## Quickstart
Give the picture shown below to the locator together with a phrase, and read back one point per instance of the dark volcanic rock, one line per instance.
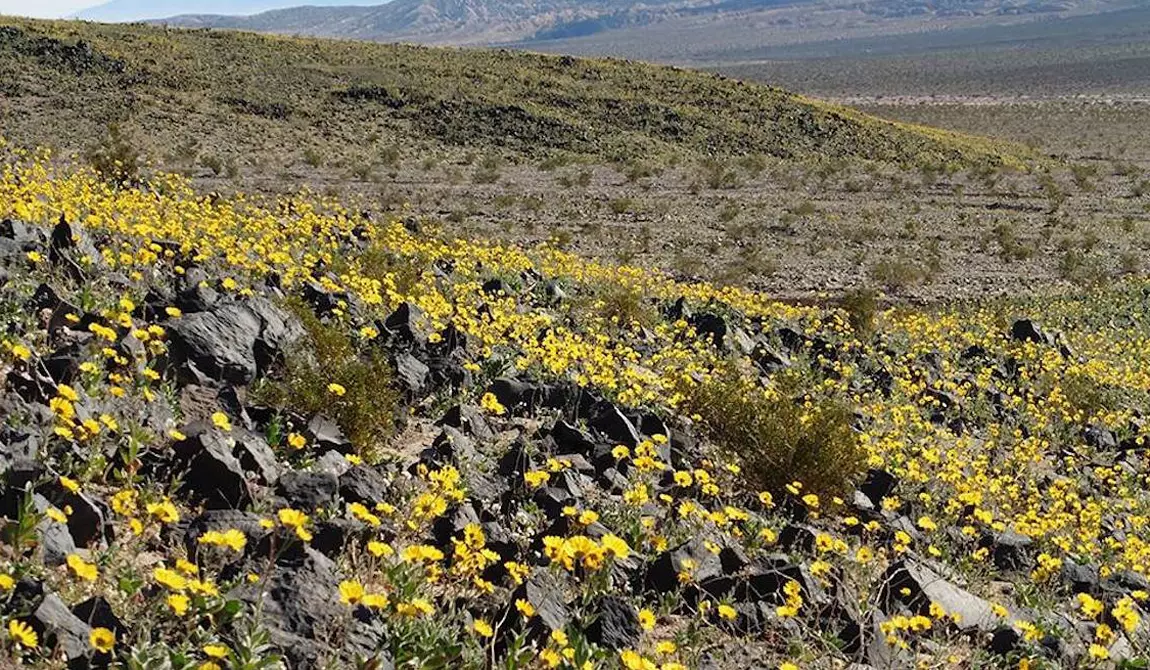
(362, 484)
(613, 424)
(213, 475)
(405, 324)
(54, 537)
(308, 491)
(615, 625)
(59, 629)
(247, 523)
(255, 455)
(1025, 330)
(411, 373)
(97, 612)
(663, 572)
(545, 593)
(326, 434)
(297, 606)
(878, 485)
(230, 342)
(469, 420)
(1010, 550)
(1100, 438)
(710, 326)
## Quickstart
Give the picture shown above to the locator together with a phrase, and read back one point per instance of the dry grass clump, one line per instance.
(778, 437)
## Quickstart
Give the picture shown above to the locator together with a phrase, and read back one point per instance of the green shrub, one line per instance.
(621, 205)
(778, 438)
(623, 302)
(861, 306)
(897, 273)
(115, 157)
(365, 411)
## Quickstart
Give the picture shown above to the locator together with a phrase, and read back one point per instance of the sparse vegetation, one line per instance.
(768, 434)
(365, 408)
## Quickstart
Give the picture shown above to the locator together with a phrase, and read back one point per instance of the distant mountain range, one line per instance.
(674, 29)
(139, 10)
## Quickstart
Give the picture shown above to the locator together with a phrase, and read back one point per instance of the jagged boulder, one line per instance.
(234, 342)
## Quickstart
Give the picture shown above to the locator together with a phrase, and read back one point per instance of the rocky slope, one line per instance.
(243, 434)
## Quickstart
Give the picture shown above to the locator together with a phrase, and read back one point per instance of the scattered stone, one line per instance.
(326, 434)
(925, 586)
(212, 475)
(54, 537)
(469, 420)
(1025, 330)
(878, 485)
(615, 624)
(1100, 438)
(362, 484)
(256, 456)
(545, 594)
(222, 343)
(307, 491)
(405, 324)
(1010, 550)
(663, 572)
(613, 424)
(411, 373)
(60, 629)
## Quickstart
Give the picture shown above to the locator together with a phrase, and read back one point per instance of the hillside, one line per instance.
(266, 98)
(275, 434)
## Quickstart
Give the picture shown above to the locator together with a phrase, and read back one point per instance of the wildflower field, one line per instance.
(254, 433)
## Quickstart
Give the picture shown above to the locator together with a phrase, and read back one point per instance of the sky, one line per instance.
(44, 9)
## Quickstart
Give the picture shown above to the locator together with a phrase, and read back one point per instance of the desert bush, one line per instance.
(580, 178)
(861, 306)
(326, 356)
(115, 157)
(636, 170)
(1054, 193)
(488, 171)
(621, 205)
(531, 203)
(1010, 247)
(390, 155)
(753, 165)
(380, 263)
(804, 208)
(1130, 262)
(729, 211)
(777, 435)
(555, 162)
(718, 175)
(504, 200)
(362, 171)
(619, 302)
(213, 163)
(1082, 267)
(1083, 177)
(313, 157)
(897, 273)
(750, 262)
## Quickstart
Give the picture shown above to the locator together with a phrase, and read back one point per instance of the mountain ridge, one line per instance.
(488, 22)
(139, 10)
